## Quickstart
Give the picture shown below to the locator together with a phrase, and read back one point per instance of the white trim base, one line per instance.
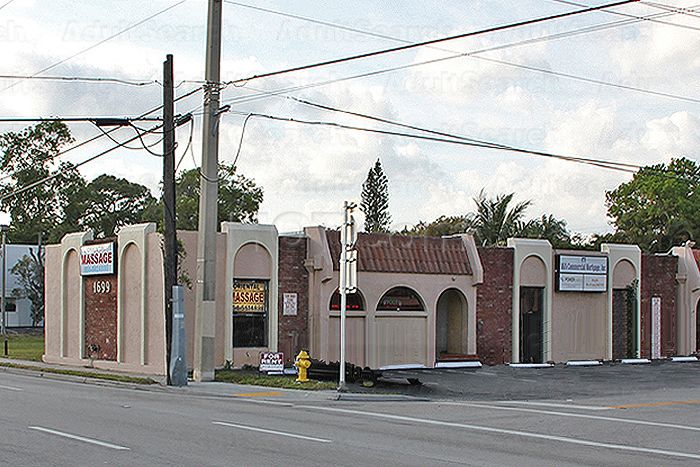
(635, 361)
(584, 363)
(531, 365)
(684, 359)
(403, 366)
(471, 364)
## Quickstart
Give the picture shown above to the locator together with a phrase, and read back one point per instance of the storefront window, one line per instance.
(354, 302)
(250, 313)
(400, 299)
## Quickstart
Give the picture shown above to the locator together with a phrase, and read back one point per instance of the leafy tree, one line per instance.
(550, 228)
(27, 157)
(659, 207)
(443, 225)
(495, 220)
(239, 198)
(111, 202)
(29, 271)
(375, 200)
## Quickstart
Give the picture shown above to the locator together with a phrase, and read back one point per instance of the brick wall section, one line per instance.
(293, 278)
(494, 306)
(659, 280)
(101, 317)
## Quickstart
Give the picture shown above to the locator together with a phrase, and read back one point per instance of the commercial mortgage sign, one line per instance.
(582, 273)
(97, 259)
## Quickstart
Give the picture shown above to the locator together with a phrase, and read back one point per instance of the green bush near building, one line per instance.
(258, 379)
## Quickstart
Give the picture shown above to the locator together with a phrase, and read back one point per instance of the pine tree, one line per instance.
(375, 200)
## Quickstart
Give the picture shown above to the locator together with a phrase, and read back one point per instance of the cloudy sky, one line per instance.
(308, 171)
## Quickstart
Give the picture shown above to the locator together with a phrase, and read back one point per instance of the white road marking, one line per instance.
(576, 415)
(553, 404)
(525, 434)
(10, 388)
(273, 432)
(80, 438)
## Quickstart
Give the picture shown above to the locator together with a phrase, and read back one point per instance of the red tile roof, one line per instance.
(405, 254)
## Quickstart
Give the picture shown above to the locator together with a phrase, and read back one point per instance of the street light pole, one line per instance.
(4, 284)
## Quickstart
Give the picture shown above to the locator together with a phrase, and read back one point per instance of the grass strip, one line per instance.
(258, 379)
(26, 346)
(82, 374)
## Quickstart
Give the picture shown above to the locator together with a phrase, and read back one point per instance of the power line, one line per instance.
(474, 54)
(482, 143)
(560, 35)
(431, 42)
(612, 165)
(5, 4)
(78, 119)
(83, 79)
(97, 44)
(64, 171)
(106, 133)
(683, 11)
(618, 13)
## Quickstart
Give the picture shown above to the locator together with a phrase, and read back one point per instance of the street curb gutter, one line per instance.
(42, 373)
(355, 397)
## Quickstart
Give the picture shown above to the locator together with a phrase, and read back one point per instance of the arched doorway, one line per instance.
(451, 325)
(533, 280)
(624, 331)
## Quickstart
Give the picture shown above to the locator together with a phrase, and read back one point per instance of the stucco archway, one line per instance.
(451, 325)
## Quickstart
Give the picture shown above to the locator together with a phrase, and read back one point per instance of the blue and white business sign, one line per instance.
(97, 259)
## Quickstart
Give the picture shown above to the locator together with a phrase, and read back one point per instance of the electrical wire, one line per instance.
(75, 119)
(97, 44)
(606, 164)
(138, 148)
(561, 35)
(64, 171)
(188, 147)
(6, 4)
(240, 142)
(83, 79)
(619, 13)
(683, 11)
(100, 135)
(375, 53)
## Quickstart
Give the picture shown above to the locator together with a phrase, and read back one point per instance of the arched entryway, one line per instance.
(625, 319)
(451, 325)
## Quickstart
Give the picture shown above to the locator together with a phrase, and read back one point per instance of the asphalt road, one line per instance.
(55, 422)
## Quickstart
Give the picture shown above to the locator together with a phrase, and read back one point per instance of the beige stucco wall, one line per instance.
(139, 304)
(379, 338)
(532, 258)
(578, 326)
(687, 298)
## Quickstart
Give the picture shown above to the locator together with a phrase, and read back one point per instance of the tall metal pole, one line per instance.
(170, 240)
(343, 293)
(205, 311)
(4, 284)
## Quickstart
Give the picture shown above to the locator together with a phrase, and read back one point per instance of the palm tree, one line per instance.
(494, 222)
(550, 228)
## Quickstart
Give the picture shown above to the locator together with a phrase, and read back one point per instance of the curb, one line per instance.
(356, 397)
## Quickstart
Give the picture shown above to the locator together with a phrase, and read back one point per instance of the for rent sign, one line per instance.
(97, 259)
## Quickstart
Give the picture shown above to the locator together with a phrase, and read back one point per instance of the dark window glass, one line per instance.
(249, 331)
(10, 305)
(354, 302)
(400, 299)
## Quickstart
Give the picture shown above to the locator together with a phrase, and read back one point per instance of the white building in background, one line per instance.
(18, 309)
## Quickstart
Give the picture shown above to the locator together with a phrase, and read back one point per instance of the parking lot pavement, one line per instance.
(555, 383)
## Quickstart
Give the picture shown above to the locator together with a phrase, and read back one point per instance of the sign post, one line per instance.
(348, 277)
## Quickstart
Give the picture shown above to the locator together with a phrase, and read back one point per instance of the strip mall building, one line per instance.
(420, 300)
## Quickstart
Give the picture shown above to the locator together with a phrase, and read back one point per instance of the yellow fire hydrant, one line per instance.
(303, 363)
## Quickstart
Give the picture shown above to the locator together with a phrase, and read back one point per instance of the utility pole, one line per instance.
(205, 312)
(3, 303)
(348, 278)
(169, 226)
